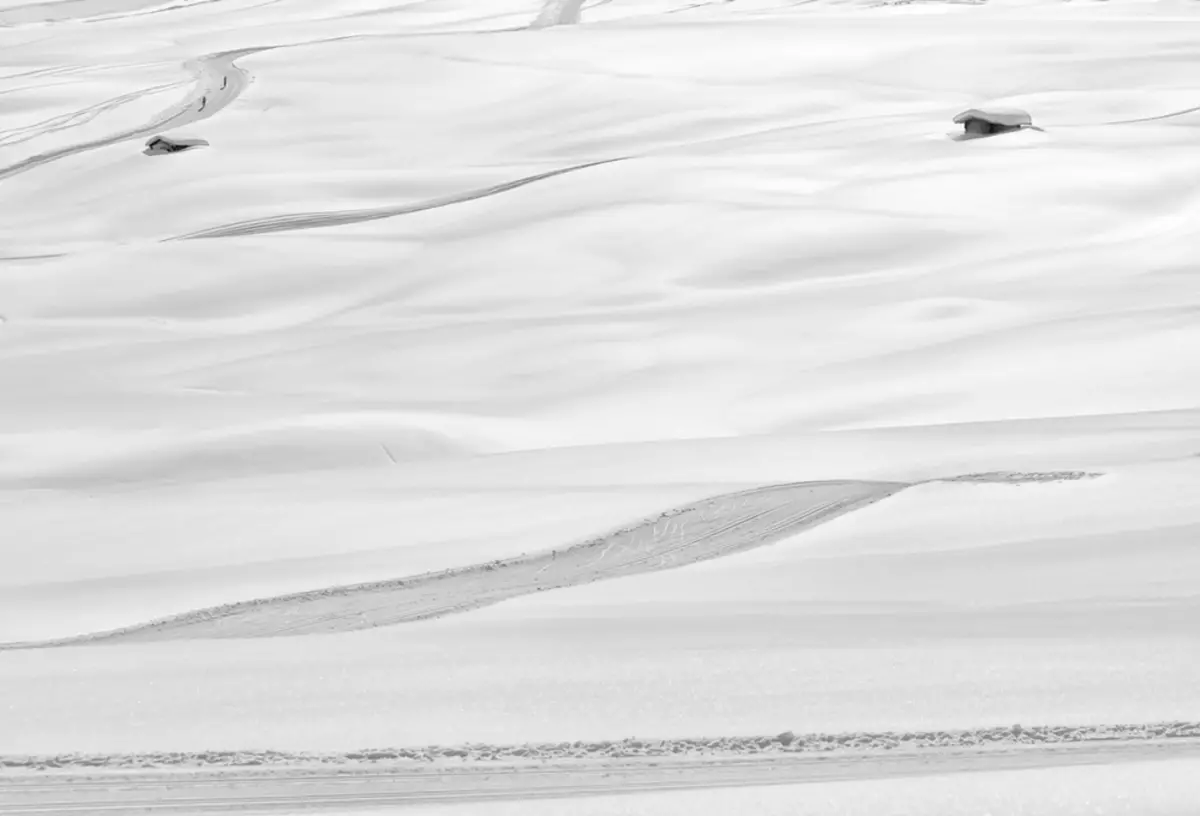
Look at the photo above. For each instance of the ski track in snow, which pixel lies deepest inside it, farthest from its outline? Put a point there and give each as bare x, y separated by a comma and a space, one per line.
219, 82
75, 118
712, 528
66, 11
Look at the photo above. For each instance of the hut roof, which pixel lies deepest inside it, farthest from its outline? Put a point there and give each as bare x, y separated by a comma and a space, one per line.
1006, 117
161, 144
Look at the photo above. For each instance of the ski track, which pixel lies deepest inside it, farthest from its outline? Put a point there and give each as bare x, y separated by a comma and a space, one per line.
1159, 118
75, 118
68, 11
219, 82
711, 528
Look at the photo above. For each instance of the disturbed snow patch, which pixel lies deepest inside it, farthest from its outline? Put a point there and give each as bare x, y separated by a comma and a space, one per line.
786, 742
1019, 477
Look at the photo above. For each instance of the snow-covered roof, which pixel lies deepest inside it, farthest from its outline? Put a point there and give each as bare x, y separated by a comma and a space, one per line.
1009, 117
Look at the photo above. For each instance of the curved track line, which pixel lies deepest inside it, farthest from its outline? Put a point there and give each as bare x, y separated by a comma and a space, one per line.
219, 82
336, 218
79, 11
1158, 118
1138, 121
76, 118
711, 528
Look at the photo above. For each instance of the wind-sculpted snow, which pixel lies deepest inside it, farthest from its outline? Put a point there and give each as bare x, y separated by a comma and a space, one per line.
712, 528
709, 529
490, 277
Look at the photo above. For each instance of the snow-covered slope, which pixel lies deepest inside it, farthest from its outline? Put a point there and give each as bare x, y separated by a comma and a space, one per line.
455, 282
1161, 788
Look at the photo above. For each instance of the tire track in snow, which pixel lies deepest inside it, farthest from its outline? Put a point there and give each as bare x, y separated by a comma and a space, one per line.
219, 82
711, 528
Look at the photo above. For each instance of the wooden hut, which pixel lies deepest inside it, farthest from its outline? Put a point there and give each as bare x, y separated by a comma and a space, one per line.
161, 145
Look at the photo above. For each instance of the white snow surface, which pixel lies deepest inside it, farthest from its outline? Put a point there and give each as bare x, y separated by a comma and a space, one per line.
1133, 789
382, 353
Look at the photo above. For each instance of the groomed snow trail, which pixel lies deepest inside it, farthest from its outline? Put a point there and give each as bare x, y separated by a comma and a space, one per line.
715, 527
